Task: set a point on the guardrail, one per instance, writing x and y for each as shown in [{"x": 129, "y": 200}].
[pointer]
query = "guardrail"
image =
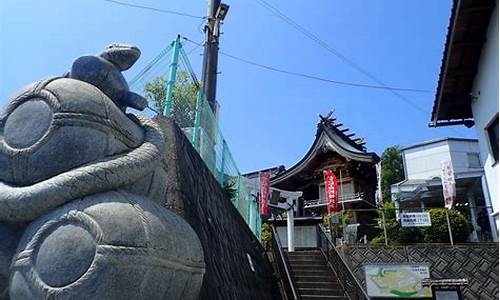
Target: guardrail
[
  {"x": 289, "y": 290},
  {"x": 349, "y": 283}
]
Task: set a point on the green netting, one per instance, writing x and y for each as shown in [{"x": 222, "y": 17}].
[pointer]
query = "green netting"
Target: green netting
[{"x": 191, "y": 111}]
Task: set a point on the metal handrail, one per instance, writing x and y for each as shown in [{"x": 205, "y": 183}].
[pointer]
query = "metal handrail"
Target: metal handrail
[
  {"x": 359, "y": 196},
  {"x": 347, "y": 280},
  {"x": 283, "y": 267}
]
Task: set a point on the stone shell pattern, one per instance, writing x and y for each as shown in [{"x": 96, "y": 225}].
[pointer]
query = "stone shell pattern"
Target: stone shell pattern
[{"x": 113, "y": 245}]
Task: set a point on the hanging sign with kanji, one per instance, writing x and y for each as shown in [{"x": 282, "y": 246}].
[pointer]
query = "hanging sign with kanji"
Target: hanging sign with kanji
[
  {"x": 380, "y": 200},
  {"x": 448, "y": 181},
  {"x": 332, "y": 192},
  {"x": 264, "y": 187}
]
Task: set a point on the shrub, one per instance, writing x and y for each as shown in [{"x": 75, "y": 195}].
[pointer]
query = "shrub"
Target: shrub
[
  {"x": 266, "y": 236},
  {"x": 378, "y": 240},
  {"x": 438, "y": 232}
]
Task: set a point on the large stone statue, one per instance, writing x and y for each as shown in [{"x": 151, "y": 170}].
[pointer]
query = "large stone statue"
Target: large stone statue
[{"x": 82, "y": 189}]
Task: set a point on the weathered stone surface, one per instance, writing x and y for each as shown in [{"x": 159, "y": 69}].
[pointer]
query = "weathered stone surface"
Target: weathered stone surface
[
  {"x": 226, "y": 239},
  {"x": 476, "y": 262},
  {"x": 9, "y": 238},
  {"x": 104, "y": 72},
  {"x": 84, "y": 177},
  {"x": 58, "y": 125},
  {"x": 112, "y": 245}
]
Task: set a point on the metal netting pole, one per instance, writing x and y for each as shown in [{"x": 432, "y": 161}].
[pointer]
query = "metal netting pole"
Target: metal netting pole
[
  {"x": 238, "y": 186},
  {"x": 176, "y": 46},
  {"x": 197, "y": 118},
  {"x": 222, "y": 162}
]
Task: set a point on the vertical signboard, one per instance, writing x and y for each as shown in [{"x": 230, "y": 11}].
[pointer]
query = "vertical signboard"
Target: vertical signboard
[
  {"x": 265, "y": 179},
  {"x": 332, "y": 191},
  {"x": 380, "y": 200},
  {"x": 448, "y": 181}
]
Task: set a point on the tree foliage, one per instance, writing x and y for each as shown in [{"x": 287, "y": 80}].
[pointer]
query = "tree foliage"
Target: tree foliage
[
  {"x": 392, "y": 170},
  {"x": 183, "y": 97},
  {"x": 266, "y": 236},
  {"x": 230, "y": 189}
]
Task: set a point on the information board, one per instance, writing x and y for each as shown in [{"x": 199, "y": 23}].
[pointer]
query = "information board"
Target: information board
[
  {"x": 415, "y": 219},
  {"x": 397, "y": 280}
]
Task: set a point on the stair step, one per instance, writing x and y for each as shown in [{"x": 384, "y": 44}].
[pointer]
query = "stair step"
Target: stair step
[
  {"x": 321, "y": 297},
  {"x": 300, "y": 272},
  {"x": 314, "y": 266},
  {"x": 318, "y": 284},
  {"x": 321, "y": 291},
  {"x": 299, "y": 253},
  {"x": 311, "y": 270},
  {"x": 319, "y": 255},
  {"x": 306, "y": 259},
  {"x": 312, "y": 278}
]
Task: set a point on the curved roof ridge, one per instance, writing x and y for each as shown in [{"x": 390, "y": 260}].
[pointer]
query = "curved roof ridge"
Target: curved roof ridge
[{"x": 327, "y": 135}]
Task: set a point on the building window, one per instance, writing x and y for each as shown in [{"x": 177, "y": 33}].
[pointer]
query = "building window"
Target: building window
[
  {"x": 493, "y": 137},
  {"x": 473, "y": 160}
]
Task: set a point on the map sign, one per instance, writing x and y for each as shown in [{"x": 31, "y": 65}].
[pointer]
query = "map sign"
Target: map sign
[
  {"x": 415, "y": 219},
  {"x": 397, "y": 280}
]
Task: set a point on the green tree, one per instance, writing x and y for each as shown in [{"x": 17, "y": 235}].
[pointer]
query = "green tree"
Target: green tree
[
  {"x": 183, "y": 97},
  {"x": 266, "y": 236},
  {"x": 392, "y": 170},
  {"x": 343, "y": 218}
]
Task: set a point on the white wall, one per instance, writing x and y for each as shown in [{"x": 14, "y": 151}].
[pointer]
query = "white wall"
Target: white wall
[
  {"x": 485, "y": 107},
  {"x": 424, "y": 162},
  {"x": 459, "y": 151}
]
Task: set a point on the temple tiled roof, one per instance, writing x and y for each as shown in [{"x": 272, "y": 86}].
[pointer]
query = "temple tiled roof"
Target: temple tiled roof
[{"x": 330, "y": 136}]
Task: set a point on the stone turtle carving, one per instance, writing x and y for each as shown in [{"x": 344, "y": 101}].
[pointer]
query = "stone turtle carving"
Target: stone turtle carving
[{"x": 81, "y": 188}]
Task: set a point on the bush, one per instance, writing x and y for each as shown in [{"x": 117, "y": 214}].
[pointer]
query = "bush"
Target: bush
[
  {"x": 438, "y": 232},
  {"x": 266, "y": 236},
  {"x": 378, "y": 240}
]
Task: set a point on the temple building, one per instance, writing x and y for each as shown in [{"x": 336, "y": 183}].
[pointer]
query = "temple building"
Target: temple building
[{"x": 336, "y": 149}]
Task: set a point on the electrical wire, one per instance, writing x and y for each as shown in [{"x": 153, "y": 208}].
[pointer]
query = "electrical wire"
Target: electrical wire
[
  {"x": 166, "y": 11},
  {"x": 313, "y": 77},
  {"x": 275, "y": 11}
]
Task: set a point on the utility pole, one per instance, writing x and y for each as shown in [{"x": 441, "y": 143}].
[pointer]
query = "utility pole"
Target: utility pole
[{"x": 216, "y": 13}]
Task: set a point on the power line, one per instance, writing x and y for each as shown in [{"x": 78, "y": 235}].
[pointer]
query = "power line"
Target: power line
[
  {"x": 166, "y": 11},
  {"x": 335, "y": 52},
  {"x": 313, "y": 77}
]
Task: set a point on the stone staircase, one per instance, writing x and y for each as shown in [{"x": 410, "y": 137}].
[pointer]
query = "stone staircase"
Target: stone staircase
[{"x": 314, "y": 278}]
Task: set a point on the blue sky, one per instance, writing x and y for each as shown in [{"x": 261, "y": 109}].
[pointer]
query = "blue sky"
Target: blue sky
[{"x": 267, "y": 118}]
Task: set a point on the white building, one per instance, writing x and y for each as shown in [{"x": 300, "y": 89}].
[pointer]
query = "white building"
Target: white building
[
  {"x": 422, "y": 187},
  {"x": 468, "y": 84}
]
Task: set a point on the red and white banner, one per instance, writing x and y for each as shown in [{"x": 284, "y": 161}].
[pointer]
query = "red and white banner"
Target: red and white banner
[
  {"x": 332, "y": 192},
  {"x": 448, "y": 181},
  {"x": 378, "y": 169},
  {"x": 264, "y": 187}
]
